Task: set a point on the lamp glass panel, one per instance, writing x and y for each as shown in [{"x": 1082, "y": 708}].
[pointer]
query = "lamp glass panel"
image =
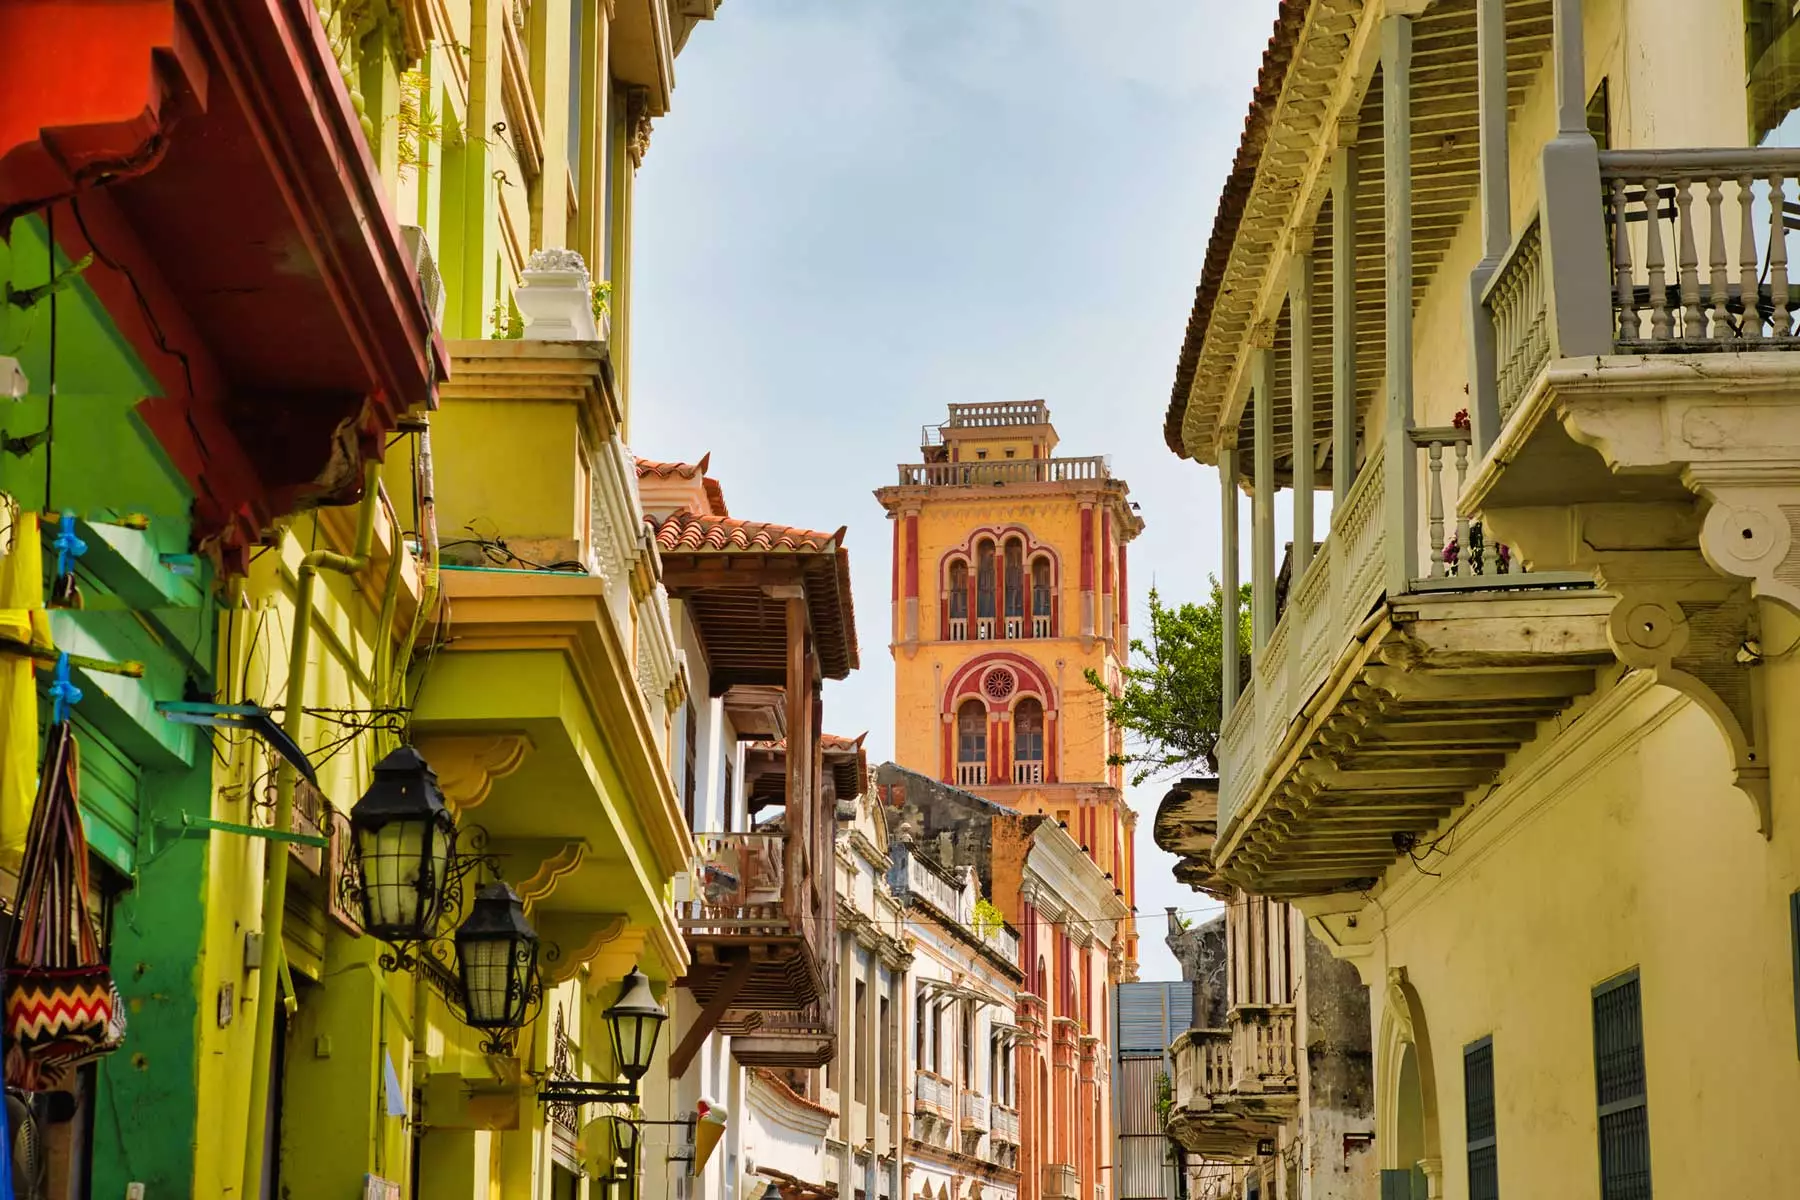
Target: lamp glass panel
[
  {"x": 488, "y": 982},
  {"x": 391, "y": 858}
]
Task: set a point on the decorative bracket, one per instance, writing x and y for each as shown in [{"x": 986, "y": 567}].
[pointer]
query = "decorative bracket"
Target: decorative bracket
[
  {"x": 574, "y": 939},
  {"x": 548, "y": 861},
  {"x": 468, "y": 764}
]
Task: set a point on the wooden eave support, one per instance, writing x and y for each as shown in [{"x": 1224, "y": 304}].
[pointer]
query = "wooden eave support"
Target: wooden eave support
[{"x": 708, "y": 1018}]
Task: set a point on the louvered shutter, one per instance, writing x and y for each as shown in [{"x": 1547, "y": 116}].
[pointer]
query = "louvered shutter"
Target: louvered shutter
[
  {"x": 1619, "y": 1078},
  {"x": 1478, "y": 1108}
]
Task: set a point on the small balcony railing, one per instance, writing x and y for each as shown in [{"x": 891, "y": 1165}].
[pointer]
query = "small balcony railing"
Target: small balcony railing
[
  {"x": 998, "y": 414},
  {"x": 744, "y": 889},
  {"x": 959, "y": 629},
  {"x": 1061, "y": 1182},
  {"x": 1262, "y": 1047},
  {"x": 988, "y": 472},
  {"x": 971, "y": 774},
  {"x": 1040, "y": 625},
  {"x": 975, "y": 1112},
  {"x": 932, "y": 1096},
  {"x": 935, "y": 890},
  {"x": 1005, "y": 1124},
  {"x": 1015, "y": 627},
  {"x": 1028, "y": 771},
  {"x": 984, "y": 629}
]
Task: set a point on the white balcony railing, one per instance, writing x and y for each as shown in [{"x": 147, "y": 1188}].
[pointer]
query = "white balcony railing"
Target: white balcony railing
[
  {"x": 959, "y": 629},
  {"x": 971, "y": 774},
  {"x": 1262, "y": 1047},
  {"x": 935, "y": 890},
  {"x": 931, "y": 1095},
  {"x": 974, "y": 1112},
  {"x": 1040, "y": 625},
  {"x": 1015, "y": 627},
  {"x": 1005, "y": 1124},
  {"x": 1028, "y": 771},
  {"x": 1007, "y": 470},
  {"x": 1061, "y": 1182},
  {"x": 1005, "y": 941}
]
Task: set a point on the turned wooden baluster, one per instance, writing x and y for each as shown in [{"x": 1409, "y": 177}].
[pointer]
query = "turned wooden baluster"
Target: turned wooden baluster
[
  {"x": 1778, "y": 276},
  {"x": 1749, "y": 285},
  {"x": 1630, "y": 327},
  {"x": 1721, "y": 284},
  {"x": 1693, "y": 317},
  {"x": 1462, "y": 521},
  {"x": 1435, "y": 499},
  {"x": 1653, "y": 265}
]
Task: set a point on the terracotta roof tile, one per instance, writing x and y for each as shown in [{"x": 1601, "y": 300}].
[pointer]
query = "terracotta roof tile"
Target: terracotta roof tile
[
  {"x": 1290, "y": 19},
  {"x": 694, "y": 532},
  {"x": 715, "y": 495}
]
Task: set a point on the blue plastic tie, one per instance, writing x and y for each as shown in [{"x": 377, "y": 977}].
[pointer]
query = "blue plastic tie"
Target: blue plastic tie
[
  {"x": 67, "y": 545},
  {"x": 64, "y": 695}
]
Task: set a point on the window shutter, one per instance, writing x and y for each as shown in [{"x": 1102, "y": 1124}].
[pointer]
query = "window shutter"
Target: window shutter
[
  {"x": 1396, "y": 1184},
  {"x": 1620, "y": 1091},
  {"x": 1478, "y": 1108}
]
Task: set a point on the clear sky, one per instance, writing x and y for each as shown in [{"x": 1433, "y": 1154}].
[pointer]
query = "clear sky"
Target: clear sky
[{"x": 862, "y": 210}]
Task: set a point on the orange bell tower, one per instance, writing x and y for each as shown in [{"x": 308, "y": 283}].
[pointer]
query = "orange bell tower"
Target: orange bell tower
[{"x": 1009, "y": 587}]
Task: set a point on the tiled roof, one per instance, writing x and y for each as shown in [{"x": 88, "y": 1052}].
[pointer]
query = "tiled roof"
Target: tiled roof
[
  {"x": 693, "y": 532},
  {"x": 1290, "y": 19},
  {"x": 715, "y": 495},
  {"x": 677, "y": 470}
]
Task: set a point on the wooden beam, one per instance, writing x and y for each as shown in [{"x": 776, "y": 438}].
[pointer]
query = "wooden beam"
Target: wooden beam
[{"x": 708, "y": 1019}]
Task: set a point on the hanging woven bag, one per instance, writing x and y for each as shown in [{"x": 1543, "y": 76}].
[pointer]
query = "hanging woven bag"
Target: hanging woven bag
[{"x": 61, "y": 1006}]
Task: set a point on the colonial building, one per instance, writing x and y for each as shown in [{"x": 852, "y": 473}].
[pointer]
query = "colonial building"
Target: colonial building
[
  {"x": 1071, "y": 921},
  {"x": 1510, "y": 277},
  {"x": 1271, "y": 1092},
  {"x": 243, "y": 256},
  {"x": 1009, "y": 588}
]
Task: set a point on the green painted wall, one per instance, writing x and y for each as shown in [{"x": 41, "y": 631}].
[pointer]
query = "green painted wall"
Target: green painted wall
[{"x": 136, "y": 767}]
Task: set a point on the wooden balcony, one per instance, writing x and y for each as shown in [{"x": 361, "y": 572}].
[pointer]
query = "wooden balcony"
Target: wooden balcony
[
  {"x": 802, "y": 1040},
  {"x": 1235, "y": 1086},
  {"x": 1647, "y": 431},
  {"x": 750, "y": 909},
  {"x": 1385, "y": 694}
]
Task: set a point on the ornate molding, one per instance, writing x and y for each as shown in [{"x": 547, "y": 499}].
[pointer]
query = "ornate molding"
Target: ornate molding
[
  {"x": 468, "y": 764},
  {"x": 572, "y": 940},
  {"x": 637, "y": 120}
]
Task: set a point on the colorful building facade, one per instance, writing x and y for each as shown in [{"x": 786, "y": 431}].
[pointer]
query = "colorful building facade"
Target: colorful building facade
[
  {"x": 253, "y": 264},
  {"x": 1539, "y": 659}
]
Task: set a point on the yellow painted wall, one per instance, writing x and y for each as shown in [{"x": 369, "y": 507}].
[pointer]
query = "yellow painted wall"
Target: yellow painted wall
[{"x": 1629, "y": 849}]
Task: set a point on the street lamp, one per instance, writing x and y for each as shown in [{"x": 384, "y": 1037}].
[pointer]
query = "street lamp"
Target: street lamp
[
  {"x": 404, "y": 836},
  {"x": 496, "y": 961},
  {"x": 635, "y": 1021}
]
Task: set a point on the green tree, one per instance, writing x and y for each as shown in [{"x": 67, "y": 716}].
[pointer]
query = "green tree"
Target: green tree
[{"x": 1170, "y": 700}]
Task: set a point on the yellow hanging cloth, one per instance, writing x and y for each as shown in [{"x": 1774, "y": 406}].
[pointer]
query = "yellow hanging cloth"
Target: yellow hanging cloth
[{"x": 23, "y": 619}]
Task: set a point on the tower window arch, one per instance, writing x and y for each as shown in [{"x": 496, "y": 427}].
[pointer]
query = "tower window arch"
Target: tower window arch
[
  {"x": 971, "y": 744},
  {"x": 1028, "y": 741},
  {"x": 958, "y": 601},
  {"x": 1041, "y": 618},
  {"x": 984, "y": 589},
  {"x": 1014, "y": 587}
]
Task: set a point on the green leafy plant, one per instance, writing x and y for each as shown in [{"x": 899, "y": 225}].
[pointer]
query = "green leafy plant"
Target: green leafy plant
[
  {"x": 509, "y": 326},
  {"x": 989, "y": 920},
  {"x": 418, "y": 122},
  {"x": 602, "y": 297},
  {"x": 1165, "y": 1098},
  {"x": 1170, "y": 703}
]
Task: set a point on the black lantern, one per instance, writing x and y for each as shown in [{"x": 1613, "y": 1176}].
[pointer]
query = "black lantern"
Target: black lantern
[
  {"x": 405, "y": 835},
  {"x": 496, "y": 960},
  {"x": 635, "y": 1021}
]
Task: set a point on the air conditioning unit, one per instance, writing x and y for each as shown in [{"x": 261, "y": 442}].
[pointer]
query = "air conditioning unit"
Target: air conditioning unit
[{"x": 431, "y": 284}]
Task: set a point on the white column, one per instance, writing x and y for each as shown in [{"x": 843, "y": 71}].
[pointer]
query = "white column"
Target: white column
[
  {"x": 1228, "y": 571},
  {"x": 1300, "y": 350},
  {"x": 1401, "y": 501},
  {"x": 1577, "y": 260},
  {"x": 1496, "y": 220},
  {"x": 1262, "y": 500},
  {"x": 1343, "y": 316}
]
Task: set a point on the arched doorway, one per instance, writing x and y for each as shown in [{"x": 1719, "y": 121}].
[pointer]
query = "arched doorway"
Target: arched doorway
[{"x": 1406, "y": 1111}]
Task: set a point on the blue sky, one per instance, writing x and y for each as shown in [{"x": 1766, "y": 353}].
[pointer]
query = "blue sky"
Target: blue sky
[{"x": 861, "y": 211}]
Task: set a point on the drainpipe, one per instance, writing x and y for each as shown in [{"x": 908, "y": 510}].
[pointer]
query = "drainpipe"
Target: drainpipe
[
  {"x": 428, "y": 535},
  {"x": 274, "y": 901}
]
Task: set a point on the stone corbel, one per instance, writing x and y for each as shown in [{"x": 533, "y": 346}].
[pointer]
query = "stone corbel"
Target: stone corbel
[
  {"x": 1748, "y": 531},
  {"x": 572, "y": 940},
  {"x": 1686, "y": 628},
  {"x": 467, "y": 764},
  {"x": 534, "y": 866},
  {"x": 1677, "y": 616}
]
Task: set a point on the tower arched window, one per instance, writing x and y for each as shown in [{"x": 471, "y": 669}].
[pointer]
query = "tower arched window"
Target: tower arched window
[
  {"x": 1015, "y": 587},
  {"x": 984, "y": 588},
  {"x": 1040, "y": 598},
  {"x": 971, "y": 744},
  {"x": 1028, "y": 742},
  {"x": 959, "y": 601}
]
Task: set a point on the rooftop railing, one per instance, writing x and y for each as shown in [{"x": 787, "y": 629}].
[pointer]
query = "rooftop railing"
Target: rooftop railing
[{"x": 989, "y": 472}]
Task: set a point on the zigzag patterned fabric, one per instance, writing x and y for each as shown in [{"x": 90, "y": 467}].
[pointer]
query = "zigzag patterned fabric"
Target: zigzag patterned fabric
[{"x": 53, "y": 1012}]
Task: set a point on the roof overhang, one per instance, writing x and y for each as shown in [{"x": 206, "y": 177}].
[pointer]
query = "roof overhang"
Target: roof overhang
[{"x": 208, "y": 154}]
